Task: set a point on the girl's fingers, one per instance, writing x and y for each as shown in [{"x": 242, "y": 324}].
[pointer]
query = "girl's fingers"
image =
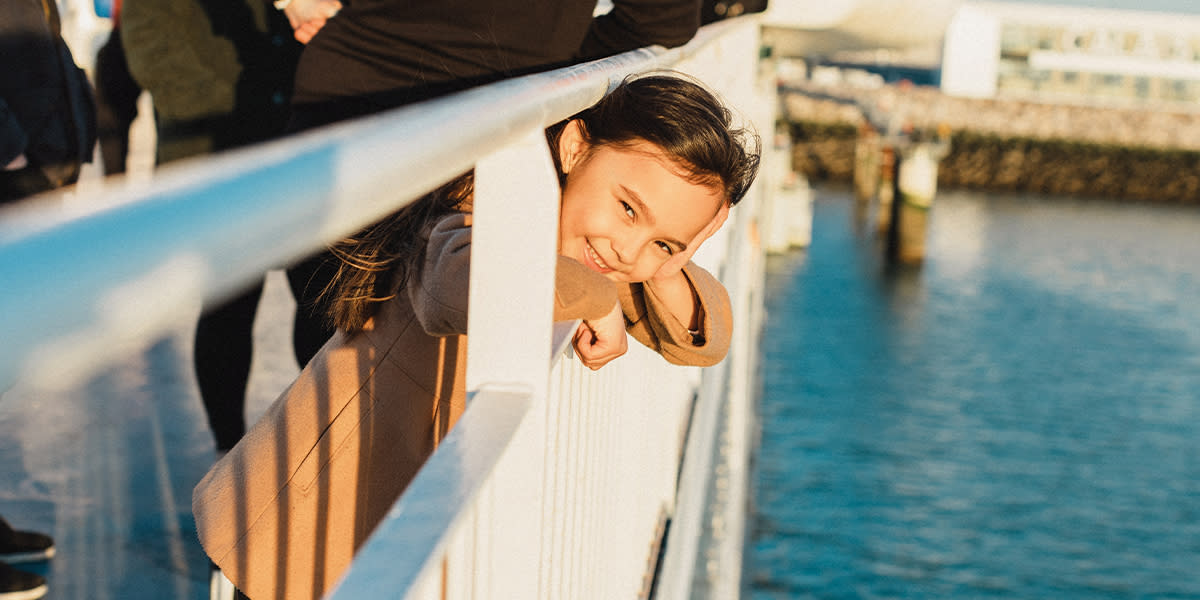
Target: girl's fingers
[
  {"x": 718, "y": 221},
  {"x": 676, "y": 263},
  {"x": 600, "y": 341}
]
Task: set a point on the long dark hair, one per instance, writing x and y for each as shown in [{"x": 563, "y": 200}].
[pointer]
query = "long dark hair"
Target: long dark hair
[
  {"x": 684, "y": 119},
  {"x": 374, "y": 264},
  {"x": 674, "y": 113}
]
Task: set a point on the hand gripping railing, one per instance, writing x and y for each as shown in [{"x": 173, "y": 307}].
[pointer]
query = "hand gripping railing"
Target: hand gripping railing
[{"x": 588, "y": 461}]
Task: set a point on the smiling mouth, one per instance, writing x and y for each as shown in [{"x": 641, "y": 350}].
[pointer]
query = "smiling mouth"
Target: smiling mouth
[{"x": 594, "y": 257}]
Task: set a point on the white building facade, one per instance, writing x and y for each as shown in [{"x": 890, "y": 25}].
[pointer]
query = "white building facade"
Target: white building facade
[{"x": 1073, "y": 55}]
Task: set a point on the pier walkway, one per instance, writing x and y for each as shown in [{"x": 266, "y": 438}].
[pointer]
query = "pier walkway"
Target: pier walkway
[{"x": 108, "y": 469}]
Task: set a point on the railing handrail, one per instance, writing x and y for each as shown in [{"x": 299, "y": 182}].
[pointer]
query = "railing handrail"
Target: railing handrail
[{"x": 122, "y": 265}]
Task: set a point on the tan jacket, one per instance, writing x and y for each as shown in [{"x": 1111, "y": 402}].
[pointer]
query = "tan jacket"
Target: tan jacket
[{"x": 283, "y": 513}]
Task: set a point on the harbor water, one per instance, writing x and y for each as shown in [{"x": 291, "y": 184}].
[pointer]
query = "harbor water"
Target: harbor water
[{"x": 1019, "y": 417}]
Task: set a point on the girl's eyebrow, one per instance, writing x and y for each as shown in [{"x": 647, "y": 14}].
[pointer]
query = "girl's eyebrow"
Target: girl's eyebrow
[{"x": 646, "y": 213}]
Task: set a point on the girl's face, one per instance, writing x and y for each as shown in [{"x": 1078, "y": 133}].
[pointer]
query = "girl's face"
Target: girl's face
[{"x": 626, "y": 210}]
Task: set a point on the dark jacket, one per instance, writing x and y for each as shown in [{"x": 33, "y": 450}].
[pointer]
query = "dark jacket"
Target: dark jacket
[
  {"x": 220, "y": 71},
  {"x": 46, "y": 106},
  {"x": 378, "y": 54}
]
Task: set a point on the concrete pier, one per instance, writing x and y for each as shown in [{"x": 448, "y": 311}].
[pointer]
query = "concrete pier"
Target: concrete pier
[{"x": 1137, "y": 154}]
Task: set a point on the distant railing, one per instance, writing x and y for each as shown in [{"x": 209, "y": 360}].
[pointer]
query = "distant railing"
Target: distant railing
[{"x": 557, "y": 482}]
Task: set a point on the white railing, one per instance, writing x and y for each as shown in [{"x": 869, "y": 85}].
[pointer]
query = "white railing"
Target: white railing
[{"x": 557, "y": 481}]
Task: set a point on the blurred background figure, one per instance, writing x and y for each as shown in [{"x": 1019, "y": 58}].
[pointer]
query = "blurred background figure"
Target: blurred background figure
[
  {"x": 220, "y": 76},
  {"x": 47, "y": 131},
  {"x": 116, "y": 98},
  {"x": 378, "y": 54},
  {"x": 47, "y": 112}
]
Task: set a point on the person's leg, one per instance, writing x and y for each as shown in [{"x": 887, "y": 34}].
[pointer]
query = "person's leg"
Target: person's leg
[
  {"x": 116, "y": 103},
  {"x": 308, "y": 280},
  {"x": 223, "y": 350}
]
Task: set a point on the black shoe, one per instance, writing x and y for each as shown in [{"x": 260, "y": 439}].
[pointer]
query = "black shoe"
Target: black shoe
[
  {"x": 23, "y": 546},
  {"x": 19, "y": 585}
]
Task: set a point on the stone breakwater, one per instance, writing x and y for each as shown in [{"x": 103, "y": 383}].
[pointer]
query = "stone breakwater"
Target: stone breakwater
[{"x": 1151, "y": 155}]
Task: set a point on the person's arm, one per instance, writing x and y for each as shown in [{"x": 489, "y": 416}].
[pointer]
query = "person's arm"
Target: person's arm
[
  {"x": 633, "y": 24},
  {"x": 654, "y": 323}
]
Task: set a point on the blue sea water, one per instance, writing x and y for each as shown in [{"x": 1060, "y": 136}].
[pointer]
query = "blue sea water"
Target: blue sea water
[{"x": 1017, "y": 418}]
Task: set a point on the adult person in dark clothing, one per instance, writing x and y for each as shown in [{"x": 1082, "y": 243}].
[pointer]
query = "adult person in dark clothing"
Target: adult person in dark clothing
[
  {"x": 47, "y": 130},
  {"x": 47, "y": 114},
  {"x": 378, "y": 54},
  {"x": 220, "y": 73}
]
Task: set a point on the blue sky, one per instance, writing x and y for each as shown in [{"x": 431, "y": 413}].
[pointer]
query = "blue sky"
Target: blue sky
[{"x": 1171, "y": 6}]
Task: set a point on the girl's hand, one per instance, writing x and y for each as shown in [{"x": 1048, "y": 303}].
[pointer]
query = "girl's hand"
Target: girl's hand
[
  {"x": 598, "y": 342},
  {"x": 674, "y": 265},
  {"x": 671, "y": 285}
]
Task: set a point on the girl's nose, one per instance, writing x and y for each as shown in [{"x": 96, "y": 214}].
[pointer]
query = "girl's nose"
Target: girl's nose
[{"x": 627, "y": 248}]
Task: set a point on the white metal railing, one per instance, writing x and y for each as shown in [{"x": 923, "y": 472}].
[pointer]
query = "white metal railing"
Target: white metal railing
[
  {"x": 573, "y": 502},
  {"x": 556, "y": 481}
]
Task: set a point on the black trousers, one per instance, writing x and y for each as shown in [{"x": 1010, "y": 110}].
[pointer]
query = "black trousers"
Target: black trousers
[
  {"x": 116, "y": 103},
  {"x": 224, "y": 338},
  {"x": 224, "y": 344}
]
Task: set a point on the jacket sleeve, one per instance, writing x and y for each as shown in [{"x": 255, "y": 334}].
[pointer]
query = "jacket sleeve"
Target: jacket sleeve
[
  {"x": 439, "y": 294},
  {"x": 173, "y": 53},
  {"x": 633, "y": 24},
  {"x": 649, "y": 321}
]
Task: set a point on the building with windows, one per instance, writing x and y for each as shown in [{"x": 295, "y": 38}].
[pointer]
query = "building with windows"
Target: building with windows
[{"x": 1072, "y": 55}]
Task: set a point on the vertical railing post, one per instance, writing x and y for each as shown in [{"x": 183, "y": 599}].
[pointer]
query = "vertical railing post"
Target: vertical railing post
[{"x": 513, "y": 257}]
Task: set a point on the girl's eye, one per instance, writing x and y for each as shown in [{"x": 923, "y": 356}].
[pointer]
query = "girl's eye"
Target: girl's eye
[
  {"x": 665, "y": 247},
  {"x": 628, "y": 209}
]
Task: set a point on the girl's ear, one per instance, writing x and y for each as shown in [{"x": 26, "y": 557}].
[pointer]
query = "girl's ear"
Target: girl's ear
[{"x": 571, "y": 145}]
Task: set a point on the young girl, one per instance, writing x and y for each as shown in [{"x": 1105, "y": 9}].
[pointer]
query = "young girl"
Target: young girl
[{"x": 647, "y": 174}]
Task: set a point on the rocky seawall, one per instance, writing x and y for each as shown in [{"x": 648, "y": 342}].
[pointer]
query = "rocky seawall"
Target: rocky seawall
[{"x": 1145, "y": 155}]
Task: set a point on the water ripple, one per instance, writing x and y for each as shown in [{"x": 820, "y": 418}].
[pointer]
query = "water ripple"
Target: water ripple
[{"x": 1017, "y": 419}]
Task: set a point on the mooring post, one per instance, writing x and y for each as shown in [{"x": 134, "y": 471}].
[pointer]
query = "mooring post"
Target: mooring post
[
  {"x": 866, "y": 172},
  {"x": 916, "y": 186},
  {"x": 888, "y": 159}
]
